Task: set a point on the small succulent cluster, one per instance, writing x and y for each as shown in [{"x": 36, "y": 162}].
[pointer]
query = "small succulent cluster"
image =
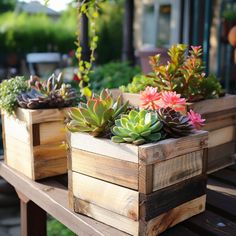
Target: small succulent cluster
[
  {"x": 102, "y": 116},
  {"x": 51, "y": 93},
  {"x": 183, "y": 74},
  {"x": 174, "y": 123},
  {"x": 137, "y": 128},
  {"x": 97, "y": 115}
]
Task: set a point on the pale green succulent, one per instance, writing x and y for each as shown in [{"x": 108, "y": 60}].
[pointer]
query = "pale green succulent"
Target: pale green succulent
[
  {"x": 97, "y": 115},
  {"x": 137, "y": 128}
]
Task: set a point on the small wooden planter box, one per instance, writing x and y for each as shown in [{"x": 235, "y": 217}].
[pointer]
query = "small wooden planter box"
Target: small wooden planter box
[
  {"x": 142, "y": 190},
  {"x": 220, "y": 115},
  {"x": 33, "y": 142}
]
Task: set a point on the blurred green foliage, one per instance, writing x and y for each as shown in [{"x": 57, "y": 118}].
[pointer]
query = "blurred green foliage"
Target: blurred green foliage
[
  {"x": 112, "y": 75},
  {"x": 55, "y": 228},
  {"x": 24, "y": 33},
  {"x": 109, "y": 27},
  {"x": 7, "y": 5}
]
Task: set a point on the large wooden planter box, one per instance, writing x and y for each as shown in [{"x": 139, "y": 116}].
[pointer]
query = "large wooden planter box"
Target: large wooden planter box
[
  {"x": 142, "y": 190},
  {"x": 220, "y": 115},
  {"x": 33, "y": 142}
]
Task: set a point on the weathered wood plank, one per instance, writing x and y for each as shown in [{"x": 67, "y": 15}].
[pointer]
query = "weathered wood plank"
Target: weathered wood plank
[
  {"x": 177, "y": 169},
  {"x": 169, "y": 148},
  {"x": 145, "y": 180},
  {"x": 210, "y": 223},
  {"x": 227, "y": 176},
  {"x": 113, "y": 170},
  {"x": 108, "y": 217},
  {"x": 221, "y": 136},
  {"x": 222, "y": 204},
  {"x": 162, "y": 201},
  {"x": 47, "y": 168},
  {"x": 126, "y": 152},
  {"x": 18, "y": 156},
  {"x": 52, "y": 132},
  {"x": 15, "y": 128},
  {"x": 112, "y": 197},
  {"x": 214, "y": 105},
  {"x": 220, "y": 156},
  {"x": 35, "y": 134},
  {"x": 49, "y": 152},
  {"x": 175, "y": 216}
]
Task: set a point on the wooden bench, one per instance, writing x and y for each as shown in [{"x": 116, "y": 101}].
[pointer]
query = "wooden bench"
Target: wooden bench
[{"x": 50, "y": 196}]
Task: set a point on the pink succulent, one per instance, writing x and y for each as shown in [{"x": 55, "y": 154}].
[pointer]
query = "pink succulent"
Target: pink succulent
[
  {"x": 196, "y": 49},
  {"x": 173, "y": 100},
  {"x": 150, "y": 98},
  {"x": 195, "y": 119}
]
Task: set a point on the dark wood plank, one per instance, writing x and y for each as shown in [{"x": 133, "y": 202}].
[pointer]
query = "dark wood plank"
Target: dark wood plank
[
  {"x": 211, "y": 224},
  {"x": 179, "y": 230},
  {"x": 36, "y": 134},
  {"x": 233, "y": 167},
  {"x": 168, "y": 198},
  {"x": 51, "y": 196},
  {"x": 226, "y": 175},
  {"x": 220, "y": 156},
  {"x": 222, "y": 204}
]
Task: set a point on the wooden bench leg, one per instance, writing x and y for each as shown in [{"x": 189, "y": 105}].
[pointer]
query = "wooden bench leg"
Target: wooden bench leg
[{"x": 33, "y": 218}]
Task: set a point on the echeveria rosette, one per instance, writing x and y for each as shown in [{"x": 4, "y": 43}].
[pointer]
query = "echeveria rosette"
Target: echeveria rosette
[
  {"x": 195, "y": 119},
  {"x": 174, "y": 123},
  {"x": 97, "y": 115},
  {"x": 50, "y": 93},
  {"x": 137, "y": 128}
]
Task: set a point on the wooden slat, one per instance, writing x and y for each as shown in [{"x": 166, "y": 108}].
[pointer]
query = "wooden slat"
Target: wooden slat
[
  {"x": 175, "y": 216},
  {"x": 221, "y": 136},
  {"x": 108, "y": 217},
  {"x": 18, "y": 155},
  {"x": 113, "y": 170},
  {"x": 168, "y": 198},
  {"x": 46, "y": 115},
  {"x": 220, "y": 120},
  {"x": 105, "y": 147},
  {"x": 177, "y": 169},
  {"x": 169, "y": 148},
  {"x": 17, "y": 129},
  {"x": 48, "y": 168},
  {"x": 214, "y": 105},
  {"x": 52, "y": 197},
  {"x": 145, "y": 180},
  {"x": 220, "y": 156},
  {"x": 49, "y": 152},
  {"x": 52, "y": 132},
  {"x": 222, "y": 204},
  {"x": 112, "y": 197},
  {"x": 210, "y": 223},
  {"x": 226, "y": 176}
]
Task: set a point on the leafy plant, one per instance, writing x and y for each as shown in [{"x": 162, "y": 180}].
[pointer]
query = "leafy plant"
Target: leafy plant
[
  {"x": 112, "y": 75},
  {"x": 97, "y": 115},
  {"x": 139, "y": 83},
  {"x": 137, "y": 128},
  {"x": 229, "y": 14},
  {"x": 52, "y": 93},
  {"x": 183, "y": 74},
  {"x": 174, "y": 123},
  {"x": 9, "y": 91}
]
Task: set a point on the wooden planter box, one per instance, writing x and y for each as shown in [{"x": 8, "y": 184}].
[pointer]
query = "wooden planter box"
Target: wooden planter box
[
  {"x": 142, "y": 190},
  {"x": 33, "y": 142},
  {"x": 220, "y": 115}
]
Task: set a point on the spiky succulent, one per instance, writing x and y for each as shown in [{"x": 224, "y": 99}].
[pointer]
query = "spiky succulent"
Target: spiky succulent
[
  {"x": 137, "y": 128},
  {"x": 174, "y": 123},
  {"x": 51, "y": 93},
  {"x": 97, "y": 115}
]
